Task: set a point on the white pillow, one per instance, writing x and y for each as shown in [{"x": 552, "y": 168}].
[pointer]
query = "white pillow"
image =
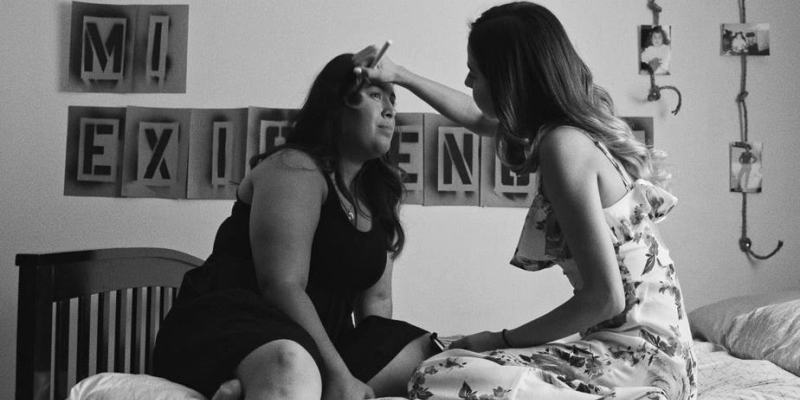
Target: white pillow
[
  {"x": 712, "y": 322},
  {"x": 768, "y": 333},
  {"x": 119, "y": 386}
]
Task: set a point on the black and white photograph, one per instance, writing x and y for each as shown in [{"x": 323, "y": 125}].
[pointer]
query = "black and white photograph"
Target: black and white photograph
[
  {"x": 746, "y": 167},
  {"x": 745, "y": 39},
  {"x": 655, "y": 49},
  {"x": 399, "y": 200}
]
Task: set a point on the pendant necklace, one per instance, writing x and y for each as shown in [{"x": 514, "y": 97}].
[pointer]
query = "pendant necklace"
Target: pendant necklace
[{"x": 349, "y": 211}]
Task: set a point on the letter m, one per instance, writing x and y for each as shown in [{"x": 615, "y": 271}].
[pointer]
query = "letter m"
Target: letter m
[{"x": 103, "y": 50}]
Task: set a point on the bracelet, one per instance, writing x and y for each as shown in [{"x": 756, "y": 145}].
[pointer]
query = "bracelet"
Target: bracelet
[{"x": 505, "y": 339}]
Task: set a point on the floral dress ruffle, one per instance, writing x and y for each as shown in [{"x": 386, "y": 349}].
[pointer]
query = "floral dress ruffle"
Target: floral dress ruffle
[{"x": 645, "y": 352}]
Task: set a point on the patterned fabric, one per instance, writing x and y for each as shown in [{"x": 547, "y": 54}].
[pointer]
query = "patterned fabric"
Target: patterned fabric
[{"x": 645, "y": 352}]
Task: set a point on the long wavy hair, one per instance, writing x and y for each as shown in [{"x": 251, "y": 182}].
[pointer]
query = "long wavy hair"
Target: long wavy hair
[
  {"x": 538, "y": 82},
  {"x": 318, "y": 131}
]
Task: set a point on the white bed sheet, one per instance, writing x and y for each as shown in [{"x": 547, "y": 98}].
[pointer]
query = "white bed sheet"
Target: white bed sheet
[{"x": 722, "y": 376}]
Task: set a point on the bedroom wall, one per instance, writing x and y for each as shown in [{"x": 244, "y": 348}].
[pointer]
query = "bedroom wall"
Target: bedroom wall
[{"x": 454, "y": 275}]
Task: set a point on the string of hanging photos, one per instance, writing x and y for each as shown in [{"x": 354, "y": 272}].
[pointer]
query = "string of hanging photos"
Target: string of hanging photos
[{"x": 745, "y": 243}]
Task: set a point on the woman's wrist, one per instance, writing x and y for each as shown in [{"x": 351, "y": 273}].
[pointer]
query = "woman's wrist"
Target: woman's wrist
[
  {"x": 504, "y": 337},
  {"x": 402, "y": 76}
]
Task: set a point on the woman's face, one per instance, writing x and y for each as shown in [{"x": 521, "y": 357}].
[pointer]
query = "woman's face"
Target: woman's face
[
  {"x": 370, "y": 124},
  {"x": 479, "y": 85}
]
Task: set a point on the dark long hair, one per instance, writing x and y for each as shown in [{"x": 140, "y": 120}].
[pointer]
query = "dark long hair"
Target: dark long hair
[
  {"x": 538, "y": 82},
  {"x": 658, "y": 29},
  {"x": 318, "y": 131}
]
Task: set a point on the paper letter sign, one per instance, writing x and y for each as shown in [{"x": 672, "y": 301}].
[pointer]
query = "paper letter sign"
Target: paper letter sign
[
  {"x": 97, "y": 150},
  {"x": 103, "y": 48},
  {"x": 410, "y": 155},
  {"x": 222, "y": 153},
  {"x": 507, "y": 181},
  {"x": 205, "y": 154},
  {"x": 157, "y": 43},
  {"x": 158, "y": 153},
  {"x": 272, "y": 134},
  {"x": 459, "y": 165}
]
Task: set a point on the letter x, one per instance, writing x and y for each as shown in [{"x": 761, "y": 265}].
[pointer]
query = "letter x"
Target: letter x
[{"x": 158, "y": 145}]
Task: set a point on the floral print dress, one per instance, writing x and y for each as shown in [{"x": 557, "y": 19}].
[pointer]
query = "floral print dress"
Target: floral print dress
[{"x": 645, "y": 352}]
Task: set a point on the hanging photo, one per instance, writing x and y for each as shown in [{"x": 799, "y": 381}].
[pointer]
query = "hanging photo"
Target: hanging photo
[
  {"x": 745, "y": 39},
  {"x": 746, "y": 167},
  {"x": 655, "y": 49}
]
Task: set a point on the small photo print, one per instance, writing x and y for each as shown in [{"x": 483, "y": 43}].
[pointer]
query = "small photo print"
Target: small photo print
[
  {"x": 745, "y": 39},
  {"x": 655, "y": 49},
  {"x": 746, "y": 167}
]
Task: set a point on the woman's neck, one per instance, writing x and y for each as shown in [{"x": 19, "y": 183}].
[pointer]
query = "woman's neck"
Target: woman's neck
[{"x": 349, "y": 170}]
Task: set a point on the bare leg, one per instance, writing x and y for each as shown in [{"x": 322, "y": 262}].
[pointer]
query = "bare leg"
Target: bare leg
[
  {"x": 279, "y": 370},
  {"x": 392, "y": 380}
]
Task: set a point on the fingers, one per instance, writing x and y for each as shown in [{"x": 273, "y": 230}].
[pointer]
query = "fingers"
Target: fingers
[{"x": 365, "y": 56}]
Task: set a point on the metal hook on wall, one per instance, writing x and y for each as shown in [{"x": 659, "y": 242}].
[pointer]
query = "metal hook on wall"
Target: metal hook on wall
[
  {"x": 655, "y": 92},
  {"x": 745, "y": 244}
]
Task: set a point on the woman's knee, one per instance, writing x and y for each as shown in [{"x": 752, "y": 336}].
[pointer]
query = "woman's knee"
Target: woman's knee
[
  {"x": 290, "y": 355},
  {"x": 284, "y": 355},
  {"x": 280, "y": 369}
]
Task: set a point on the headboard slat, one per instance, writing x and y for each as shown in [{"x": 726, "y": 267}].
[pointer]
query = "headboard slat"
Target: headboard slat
[
  {"x": 84, "y": 326},
  {"x": 61, "y": 363},
  {"x": 103, "y": 330},
  {"x": 120, "y": 330},
  {"x": 136, "y": 331},
  {"x": 151, "y": 327}
]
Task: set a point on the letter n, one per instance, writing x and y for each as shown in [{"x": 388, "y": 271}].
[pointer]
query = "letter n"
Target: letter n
[
  {"x": 103, "y": 53},
  {"x": 459, "y": 160},
  {"x": 97, "y": 150}
]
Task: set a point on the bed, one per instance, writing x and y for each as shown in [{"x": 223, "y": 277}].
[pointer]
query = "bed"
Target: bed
[{"x": 747, "y": 347}]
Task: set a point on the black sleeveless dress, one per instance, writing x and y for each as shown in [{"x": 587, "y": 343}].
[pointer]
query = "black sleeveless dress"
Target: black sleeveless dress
[{"x": 220, "y": 316}]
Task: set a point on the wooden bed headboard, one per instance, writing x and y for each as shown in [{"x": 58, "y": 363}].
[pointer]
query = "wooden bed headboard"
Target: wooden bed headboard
[{"x": 119, "y": 297}]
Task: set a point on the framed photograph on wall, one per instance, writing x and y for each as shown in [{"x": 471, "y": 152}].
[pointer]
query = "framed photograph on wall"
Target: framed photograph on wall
[
  {"x": 655, "y": 49},
  {"x": 642, "y": 129},
  {"x": 746, "y": 171},
  {"x": 745, "y": 39}
]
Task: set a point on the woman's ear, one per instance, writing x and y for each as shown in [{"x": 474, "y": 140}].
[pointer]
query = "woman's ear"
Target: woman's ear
[{"x": 353, "y": 98}]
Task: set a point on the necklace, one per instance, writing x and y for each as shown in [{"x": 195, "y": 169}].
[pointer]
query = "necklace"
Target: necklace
[{"x": 348, "y": 209}]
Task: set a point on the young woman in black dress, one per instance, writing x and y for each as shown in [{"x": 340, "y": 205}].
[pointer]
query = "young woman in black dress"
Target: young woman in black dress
[{"x": 295, "y": 301}]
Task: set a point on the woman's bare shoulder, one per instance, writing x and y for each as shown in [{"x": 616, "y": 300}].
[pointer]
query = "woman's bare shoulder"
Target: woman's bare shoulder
[
  {"x": 289, "y": 167},
  {"x": 564, "y": 144}
]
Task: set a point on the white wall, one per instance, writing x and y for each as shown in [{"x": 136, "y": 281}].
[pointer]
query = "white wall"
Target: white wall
[{"x": 454, "y": 275}]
